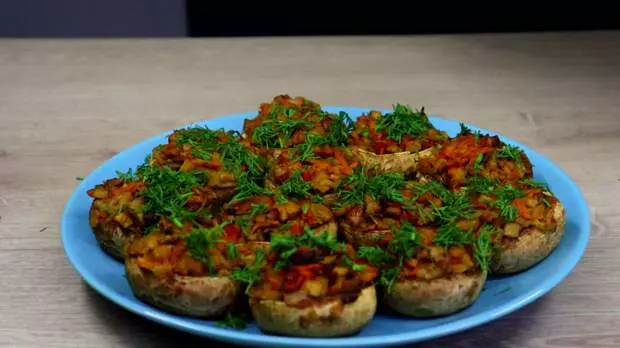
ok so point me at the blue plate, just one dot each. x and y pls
(500, 297)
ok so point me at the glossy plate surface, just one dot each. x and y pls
(500, 296)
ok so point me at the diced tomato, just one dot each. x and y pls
(309, 217)
(293, 281)
(307, 175)
(309, 271)
(296, 229)
(406, 215)
(232, 233)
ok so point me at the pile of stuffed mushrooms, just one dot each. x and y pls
(307, 221)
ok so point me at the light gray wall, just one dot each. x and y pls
(92, 18)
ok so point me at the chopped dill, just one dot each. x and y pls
(402, 121)
(451, 234)
(295, 186)
(535, 184)
(483, 246)
(232, 251)
(339, 129)
(233, 321)
(167, 192)
(505, 195)
(353, 188)
(512, 153)
(250, 274)
(455, 206)
(478, 163)
(277, 133)
(467, 131)
(200, 240)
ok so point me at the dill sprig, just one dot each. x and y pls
(483, 245)
(247, 188)
(294, 187)
(305, 151)
(339, 129)
(275, 133)
(250, 274)
(456, 205)
(353, 188)
(376, 255)
(199, 242)
(236, 155)
(127, 176)
(467, 131)
(451, 234)
(511, 152)
(402, 121)
(478, 163)
(167, 192)
(535, 184)
(285, 245)
(505, 195)
(232, 320)
(480, 184)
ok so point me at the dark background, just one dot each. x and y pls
(201, 18)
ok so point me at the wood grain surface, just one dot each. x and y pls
(66, 106)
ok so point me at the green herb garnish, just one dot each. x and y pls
(451, 234)
(505, 195)
(250, 274)
(478, 163)
(483, 246)
(199, 242)
(167, 192)
(233, 321)
(402, 121)
(511, 152)
(535, 184)
(295, 186)
(353, 188)
(277, 133)
(232, 251)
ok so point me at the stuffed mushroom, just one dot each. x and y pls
(288, 122)
(189, 274)
(472, 154)
(528, 219)
(117, 214)
(431, 271)
(313, 287)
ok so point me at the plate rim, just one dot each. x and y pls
(237, 337)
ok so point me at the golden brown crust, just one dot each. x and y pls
(437, 297)
(531, 247)
(319, 321)
(203, 297)
(111, 237)
(401, 162)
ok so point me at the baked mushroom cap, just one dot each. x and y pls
(358, 238)
(436, 297)
(204, 297)
(400, 162)
(532, 246)
(324, 320)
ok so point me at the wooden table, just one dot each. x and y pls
(66, 106)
